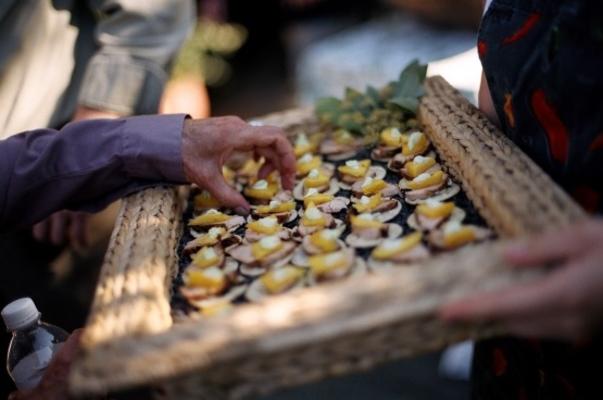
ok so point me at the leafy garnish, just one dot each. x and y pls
(361, 113)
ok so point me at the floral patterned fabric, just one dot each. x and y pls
(543, 60)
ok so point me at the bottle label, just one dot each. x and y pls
(29, 371)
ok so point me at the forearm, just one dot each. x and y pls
(86, 166)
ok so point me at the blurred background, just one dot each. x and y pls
(250, 58)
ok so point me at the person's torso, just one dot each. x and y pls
(543, 60)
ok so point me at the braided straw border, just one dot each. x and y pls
(322, 331)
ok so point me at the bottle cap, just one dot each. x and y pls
(20, 313)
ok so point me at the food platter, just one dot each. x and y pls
(141, 331)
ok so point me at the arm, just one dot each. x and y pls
(86, 166)
(136, 42)
(92, 163)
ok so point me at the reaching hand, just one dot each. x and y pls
(63, 227)
(208, 143)
(565, 304)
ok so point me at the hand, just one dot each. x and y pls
(63, 227)
(53, 385)
(207, 144)
(187, 96)
(565, 304)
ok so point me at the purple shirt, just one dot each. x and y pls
(86, 165)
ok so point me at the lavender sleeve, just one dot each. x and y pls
(86, 165)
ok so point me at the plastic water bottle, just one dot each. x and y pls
(33, 343)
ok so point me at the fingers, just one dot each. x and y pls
(274, 146)
(77, 230)
(552, 246)
(266, 170)
(519, 302)
(208, 175)
(58, 228)
(40, 231)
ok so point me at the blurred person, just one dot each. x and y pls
(542, 62)
(71, 60)
(86, 165)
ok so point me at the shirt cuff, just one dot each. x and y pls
(122, 84)
(152, 147)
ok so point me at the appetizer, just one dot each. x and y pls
(317, 180)
(307, 163)
(270, 251)
(418, 166)
(454, 234)
(432, 213)
(383, 209)
(276, 281)
(267, 226)
(368, 231)
(370, 186)
(304, 145)
(214, 218)
(326, 202)
(284, 211)
(393, 252)
(320, 242)
(341, 145)
(203, 286)
(261, 191)
(324, 267)
(417, 144)
(314, 220)
(390, 143)
(434, 185)
(353, 171)
(217, 235)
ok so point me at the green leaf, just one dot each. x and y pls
(373, 94)
(407, 103)
(328, 109)
(409, 87)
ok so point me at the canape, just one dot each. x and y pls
(435, 185)
(214, 218)
(276, 281)
(390, 143)
(209, 285)
(313, 220)
(317, 180)
(367, 231)
(433, 213)
(325, 267)
(255, 258)
(382, 208)
(307, 163)
(217, 235)
(370, 186)
(261, 191)
(416, 145)
(454, 234)
(419, 165)
(326, 202)
(267, 226)
(341, 145)
(320, 242)
(304, 144)
(284, 211)
(392, 252)
(353, 171)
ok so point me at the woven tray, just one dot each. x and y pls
(328, 330)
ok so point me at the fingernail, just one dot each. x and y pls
(242, 211)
